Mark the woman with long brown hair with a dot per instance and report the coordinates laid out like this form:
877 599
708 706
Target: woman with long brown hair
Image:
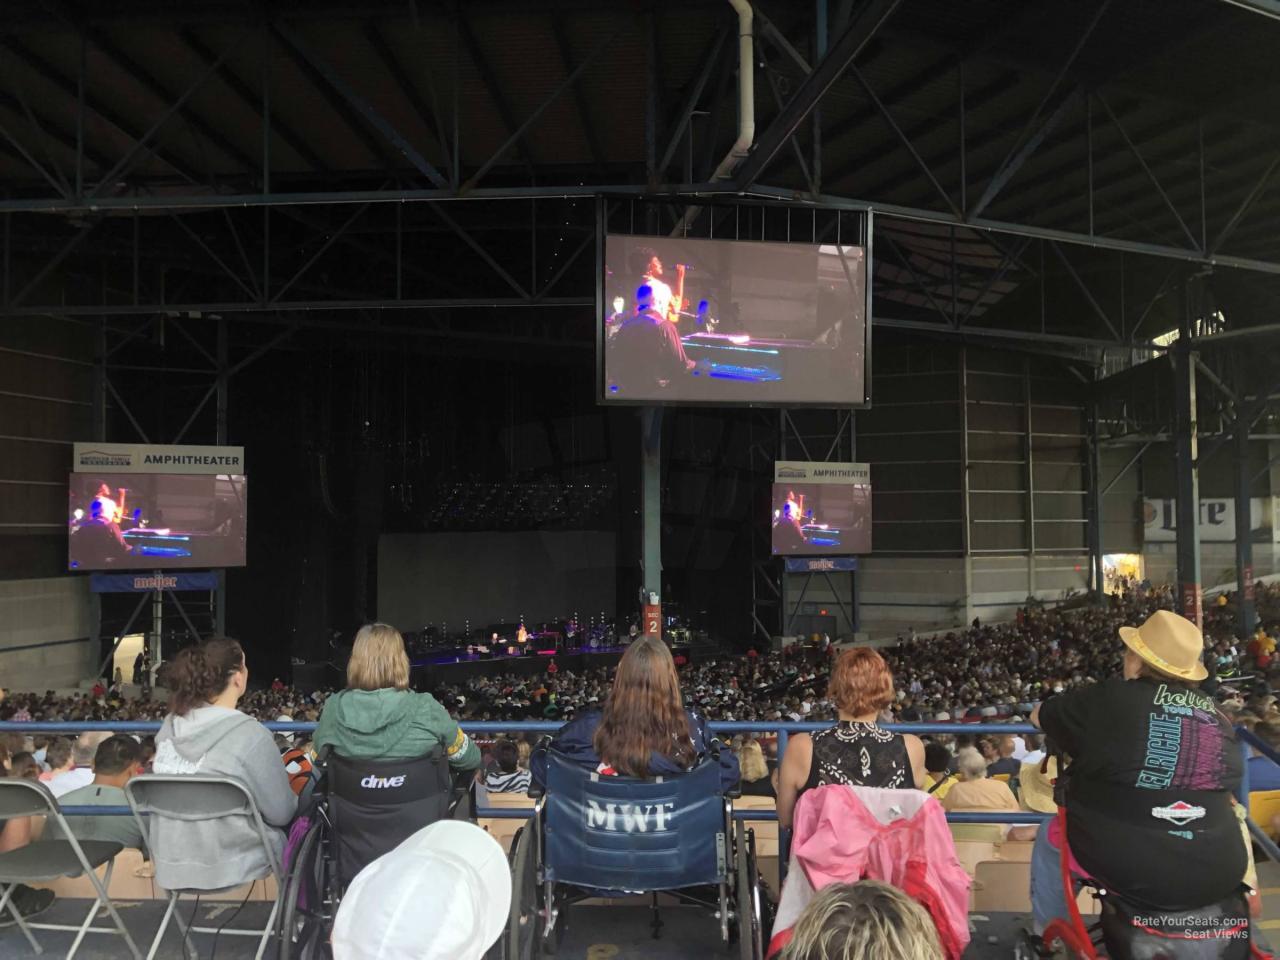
643 729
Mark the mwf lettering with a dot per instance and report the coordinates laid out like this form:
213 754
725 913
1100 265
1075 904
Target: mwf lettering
633 817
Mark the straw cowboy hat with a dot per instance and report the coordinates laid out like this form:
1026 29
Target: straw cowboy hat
1035 783
1170 643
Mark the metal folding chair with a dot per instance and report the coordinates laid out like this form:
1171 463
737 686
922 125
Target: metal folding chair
200 798
48 860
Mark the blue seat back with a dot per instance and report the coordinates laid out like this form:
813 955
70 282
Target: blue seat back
617 833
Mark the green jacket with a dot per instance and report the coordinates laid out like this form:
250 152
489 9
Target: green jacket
392 724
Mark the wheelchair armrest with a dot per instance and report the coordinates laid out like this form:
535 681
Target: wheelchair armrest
734 792
536 791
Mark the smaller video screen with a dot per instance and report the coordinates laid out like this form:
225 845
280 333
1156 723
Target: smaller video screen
153 521
821 518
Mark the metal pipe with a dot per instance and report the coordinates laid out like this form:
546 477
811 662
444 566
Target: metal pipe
746 109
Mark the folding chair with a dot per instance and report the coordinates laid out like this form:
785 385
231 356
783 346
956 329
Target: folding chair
199 798
50 859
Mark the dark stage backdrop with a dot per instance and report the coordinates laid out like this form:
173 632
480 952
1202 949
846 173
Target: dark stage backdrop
494 577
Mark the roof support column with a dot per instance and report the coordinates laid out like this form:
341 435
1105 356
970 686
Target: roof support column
1247 619
1187 471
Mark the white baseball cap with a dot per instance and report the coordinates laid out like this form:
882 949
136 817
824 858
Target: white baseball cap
443 894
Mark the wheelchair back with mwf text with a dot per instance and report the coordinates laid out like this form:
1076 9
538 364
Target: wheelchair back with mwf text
616 833
374 805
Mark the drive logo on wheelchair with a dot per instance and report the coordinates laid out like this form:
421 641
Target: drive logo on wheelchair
372 782
634 818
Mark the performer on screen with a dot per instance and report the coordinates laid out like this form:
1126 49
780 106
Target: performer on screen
788 536
109 509
648 351
669 304
99 537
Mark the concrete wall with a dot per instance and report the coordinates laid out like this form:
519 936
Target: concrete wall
44 633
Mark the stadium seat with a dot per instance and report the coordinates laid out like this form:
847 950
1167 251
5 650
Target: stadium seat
200 797
47 860
1002 777
982 832
1264 805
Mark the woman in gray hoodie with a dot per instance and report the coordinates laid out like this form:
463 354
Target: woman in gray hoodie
204 733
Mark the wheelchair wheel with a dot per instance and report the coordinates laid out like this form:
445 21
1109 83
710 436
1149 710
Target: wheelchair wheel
525 923
305 916
749 906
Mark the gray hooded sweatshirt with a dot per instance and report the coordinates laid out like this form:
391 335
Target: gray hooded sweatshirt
216 854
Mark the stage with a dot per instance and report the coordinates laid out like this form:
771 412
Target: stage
459 666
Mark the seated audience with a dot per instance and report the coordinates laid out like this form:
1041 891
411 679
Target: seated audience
443 894
1003 762
937 766
756 780
1264 773
81 772
1153 766
506 777
205 734
643 729
868 920
57 759
379 717
976 791
116 762
857 750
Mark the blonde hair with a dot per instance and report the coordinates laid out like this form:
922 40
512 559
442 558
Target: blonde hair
751 761
378 659
868 920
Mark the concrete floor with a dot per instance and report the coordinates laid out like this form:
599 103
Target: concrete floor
593 932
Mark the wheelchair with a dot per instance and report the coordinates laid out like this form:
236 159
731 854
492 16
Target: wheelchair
360 809
594 836
1128 931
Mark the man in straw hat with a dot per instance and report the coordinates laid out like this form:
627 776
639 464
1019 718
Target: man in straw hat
1148 790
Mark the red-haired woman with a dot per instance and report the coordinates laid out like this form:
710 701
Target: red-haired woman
857 750
643 730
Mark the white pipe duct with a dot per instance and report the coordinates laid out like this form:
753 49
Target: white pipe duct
746 107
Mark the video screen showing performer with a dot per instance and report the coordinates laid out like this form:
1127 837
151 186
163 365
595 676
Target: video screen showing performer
151 521
821 518
733 321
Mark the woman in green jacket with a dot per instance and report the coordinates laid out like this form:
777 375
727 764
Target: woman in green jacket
379 717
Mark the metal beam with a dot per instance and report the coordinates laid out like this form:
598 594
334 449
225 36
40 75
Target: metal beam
122 167
906 141
1019 156
253 101
579 94
1084 288
1150 174
353 119
468 37
157 89
517 135
71 88
1026 142
709 58
1250 198
361 105
407 88
864 23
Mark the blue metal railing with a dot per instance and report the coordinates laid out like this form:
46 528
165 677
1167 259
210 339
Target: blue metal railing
782 730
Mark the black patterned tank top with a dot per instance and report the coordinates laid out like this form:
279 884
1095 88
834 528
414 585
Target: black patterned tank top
860 755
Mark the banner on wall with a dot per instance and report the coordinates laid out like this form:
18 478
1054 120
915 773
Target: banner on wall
1217 520
821 564
156 458
804 471
147 582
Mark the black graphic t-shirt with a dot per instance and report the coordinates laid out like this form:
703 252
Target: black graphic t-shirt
1148 791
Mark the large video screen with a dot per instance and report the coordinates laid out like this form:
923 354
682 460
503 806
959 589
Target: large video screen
733 321
821 518
153 521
